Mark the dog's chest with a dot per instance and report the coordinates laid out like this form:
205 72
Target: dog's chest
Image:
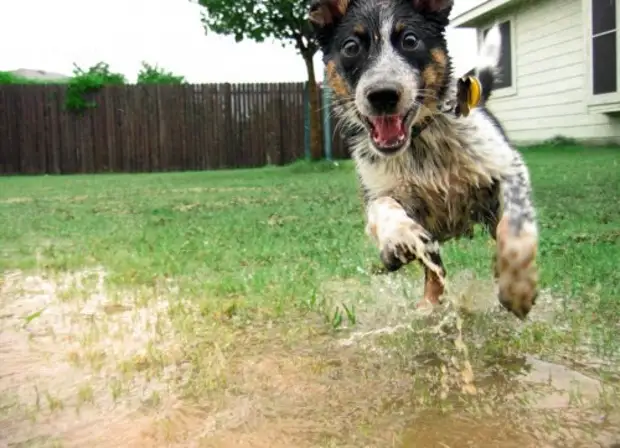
447 196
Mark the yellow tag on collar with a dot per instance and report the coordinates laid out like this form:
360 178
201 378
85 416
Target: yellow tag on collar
469 94
475 92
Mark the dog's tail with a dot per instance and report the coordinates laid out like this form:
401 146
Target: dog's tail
488 59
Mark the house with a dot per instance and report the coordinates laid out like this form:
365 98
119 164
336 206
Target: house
40 75
559 68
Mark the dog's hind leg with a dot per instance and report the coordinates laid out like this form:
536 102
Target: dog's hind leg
517 241
401 240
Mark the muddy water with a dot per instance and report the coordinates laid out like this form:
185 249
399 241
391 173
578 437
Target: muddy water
80 366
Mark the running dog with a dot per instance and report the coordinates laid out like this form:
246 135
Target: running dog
429 168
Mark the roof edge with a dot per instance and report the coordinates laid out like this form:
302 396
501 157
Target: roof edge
470 18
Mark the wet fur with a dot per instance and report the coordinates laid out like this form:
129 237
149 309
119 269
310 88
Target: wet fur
457 173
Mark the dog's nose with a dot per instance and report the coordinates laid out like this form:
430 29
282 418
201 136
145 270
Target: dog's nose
384 100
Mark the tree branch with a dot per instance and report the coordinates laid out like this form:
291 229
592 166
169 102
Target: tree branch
300 42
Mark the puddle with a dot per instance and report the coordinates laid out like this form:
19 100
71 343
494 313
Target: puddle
82 367
76 362
541 405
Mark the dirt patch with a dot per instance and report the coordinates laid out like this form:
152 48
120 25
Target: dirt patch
82 366
69 362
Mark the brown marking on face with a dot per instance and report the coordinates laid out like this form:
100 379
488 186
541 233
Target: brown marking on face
430 76
359 29
439 56
342 6
336 82
433 76
400 26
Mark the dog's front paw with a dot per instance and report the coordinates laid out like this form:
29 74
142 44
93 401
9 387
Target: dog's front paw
402 243
516 270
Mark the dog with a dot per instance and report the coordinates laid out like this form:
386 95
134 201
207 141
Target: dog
427 175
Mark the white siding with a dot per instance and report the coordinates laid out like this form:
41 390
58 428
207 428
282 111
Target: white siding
551 86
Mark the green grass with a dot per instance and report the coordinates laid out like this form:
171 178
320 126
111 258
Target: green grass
254 249
271 236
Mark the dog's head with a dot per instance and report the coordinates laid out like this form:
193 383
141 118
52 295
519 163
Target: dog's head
387 62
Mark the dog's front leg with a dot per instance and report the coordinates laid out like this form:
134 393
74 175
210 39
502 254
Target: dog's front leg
517 242
401 240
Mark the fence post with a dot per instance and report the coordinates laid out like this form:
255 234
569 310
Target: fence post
327 129
306 122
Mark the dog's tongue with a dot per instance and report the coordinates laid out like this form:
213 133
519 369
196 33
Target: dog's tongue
387 129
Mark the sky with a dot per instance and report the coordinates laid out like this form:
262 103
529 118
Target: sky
53 34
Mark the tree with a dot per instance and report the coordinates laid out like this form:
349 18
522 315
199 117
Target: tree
153 74
284 20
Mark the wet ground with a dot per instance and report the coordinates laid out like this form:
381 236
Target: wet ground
84 366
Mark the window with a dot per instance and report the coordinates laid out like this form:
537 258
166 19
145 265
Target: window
505 84
604 47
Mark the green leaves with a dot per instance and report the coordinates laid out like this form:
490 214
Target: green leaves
153 74
86 82
283 20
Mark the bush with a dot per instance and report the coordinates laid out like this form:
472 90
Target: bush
10 78
150 74
86 82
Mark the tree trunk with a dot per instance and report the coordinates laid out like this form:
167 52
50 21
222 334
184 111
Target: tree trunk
316 136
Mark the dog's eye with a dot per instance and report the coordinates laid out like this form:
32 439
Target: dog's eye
351 48
409 41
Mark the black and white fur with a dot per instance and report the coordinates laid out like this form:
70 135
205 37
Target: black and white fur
423 185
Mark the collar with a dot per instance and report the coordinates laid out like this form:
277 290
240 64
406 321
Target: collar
468 96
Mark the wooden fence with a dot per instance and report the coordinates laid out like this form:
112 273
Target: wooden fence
153 128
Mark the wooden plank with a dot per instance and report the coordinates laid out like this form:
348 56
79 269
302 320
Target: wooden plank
219 121
201 109
208 125
5 143
26 131
41 130
55 145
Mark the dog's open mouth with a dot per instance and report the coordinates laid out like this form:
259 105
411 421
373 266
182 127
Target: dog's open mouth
389 133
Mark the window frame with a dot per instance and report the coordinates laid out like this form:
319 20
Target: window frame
504 92
604 102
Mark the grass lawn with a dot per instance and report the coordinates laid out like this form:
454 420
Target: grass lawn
244 308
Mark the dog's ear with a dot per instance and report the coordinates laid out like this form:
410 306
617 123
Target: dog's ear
435 10
425 6
327 12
